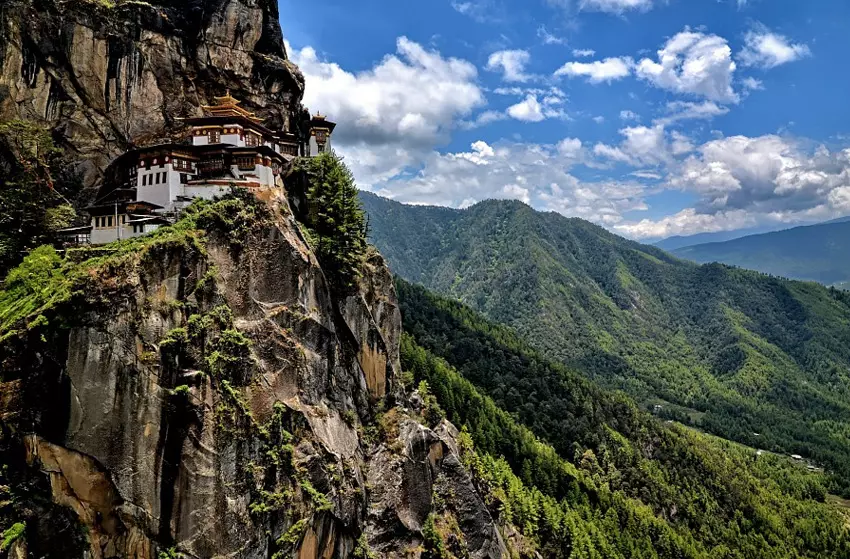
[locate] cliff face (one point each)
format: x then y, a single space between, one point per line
106 74
205 391
201 392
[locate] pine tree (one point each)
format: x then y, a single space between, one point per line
336 219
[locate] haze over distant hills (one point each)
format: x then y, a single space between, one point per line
817 252
677 242
728 350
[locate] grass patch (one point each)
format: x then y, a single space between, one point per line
45 280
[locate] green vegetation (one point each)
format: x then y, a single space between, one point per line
44 281
435 547
335 219
11 535
585 473
33 195
362 550
817 252
291 537
756 359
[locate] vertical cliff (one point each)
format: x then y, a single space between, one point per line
105 74
204 390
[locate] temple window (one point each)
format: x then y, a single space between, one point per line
251 140
245 162
215 136
211 166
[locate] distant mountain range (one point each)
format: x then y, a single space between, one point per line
682 241
757 359
677 242
816 252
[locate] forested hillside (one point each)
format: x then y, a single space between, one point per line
602 478
818 252
759 360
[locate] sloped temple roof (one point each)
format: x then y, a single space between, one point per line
229 106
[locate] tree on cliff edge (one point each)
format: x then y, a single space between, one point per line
335 218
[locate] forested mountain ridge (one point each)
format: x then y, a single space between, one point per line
817 252
602 459
760 360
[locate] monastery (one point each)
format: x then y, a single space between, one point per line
229 148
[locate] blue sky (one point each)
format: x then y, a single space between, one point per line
652 118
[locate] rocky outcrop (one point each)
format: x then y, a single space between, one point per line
417 478
104 75
207 391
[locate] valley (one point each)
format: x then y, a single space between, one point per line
734 352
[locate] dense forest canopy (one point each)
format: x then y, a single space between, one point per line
588 474
756 359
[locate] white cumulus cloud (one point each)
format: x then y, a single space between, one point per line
744 181
766 49
598 71
528 110
538 174
693 63
511 63
641 145
395 113
549 38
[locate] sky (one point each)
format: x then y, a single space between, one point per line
652 118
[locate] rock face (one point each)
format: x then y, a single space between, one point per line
105 75
205 393
210 393
416 476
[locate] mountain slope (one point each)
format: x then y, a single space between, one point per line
759 360
606 457
818 252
